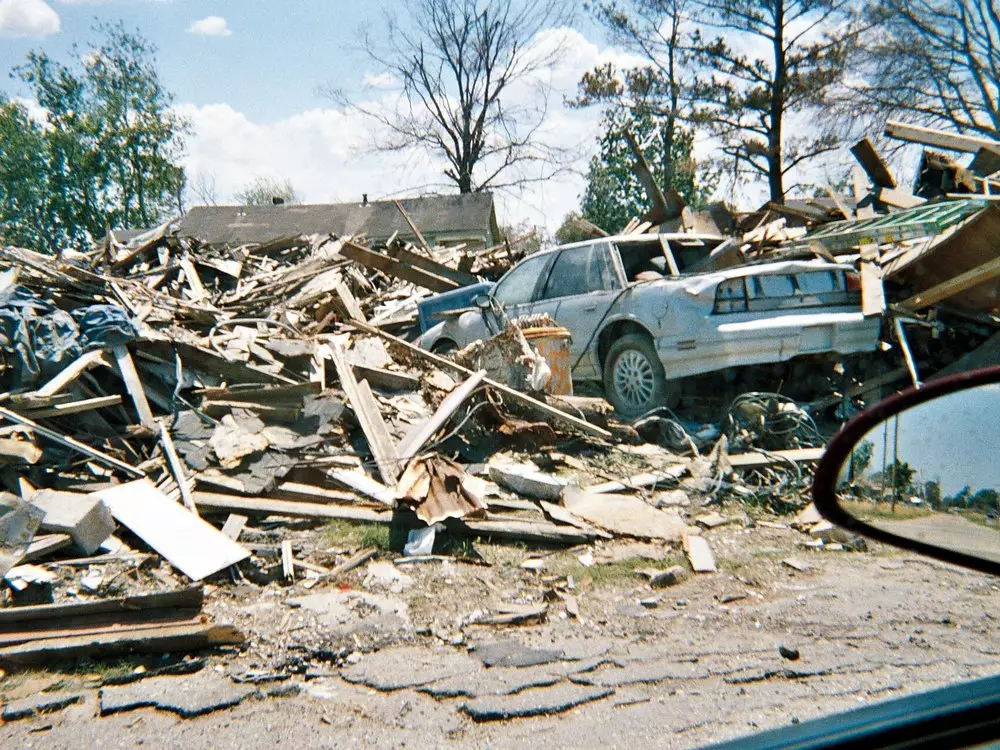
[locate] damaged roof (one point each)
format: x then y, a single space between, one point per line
439 217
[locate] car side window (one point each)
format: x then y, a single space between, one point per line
518 286
731 296
581 270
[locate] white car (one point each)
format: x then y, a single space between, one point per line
638 324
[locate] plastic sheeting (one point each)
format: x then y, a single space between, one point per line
38 339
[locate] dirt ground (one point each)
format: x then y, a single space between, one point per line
394 656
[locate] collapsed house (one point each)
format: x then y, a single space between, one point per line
164 395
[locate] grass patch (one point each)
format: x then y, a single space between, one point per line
609 574
358 534
904 511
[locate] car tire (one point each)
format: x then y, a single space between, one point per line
634 380
444 347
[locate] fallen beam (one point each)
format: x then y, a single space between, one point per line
978 275
170 639
938 138
403 267
71 443
753 459
73 407
414 440
873 163
522 398
359 395
212 502
126 367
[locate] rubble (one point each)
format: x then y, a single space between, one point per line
177 412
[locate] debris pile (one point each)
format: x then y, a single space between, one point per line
168 404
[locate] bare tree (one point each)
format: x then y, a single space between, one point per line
204 189
933 61
457 63
262 191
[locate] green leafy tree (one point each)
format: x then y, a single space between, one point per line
23 170
614 194
861 459
112 143
261 191
740 70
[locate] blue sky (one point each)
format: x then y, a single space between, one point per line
271 63
247 76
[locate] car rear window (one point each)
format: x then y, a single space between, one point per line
784 292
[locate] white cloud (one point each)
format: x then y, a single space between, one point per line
210 26
384 81
322 151
28 18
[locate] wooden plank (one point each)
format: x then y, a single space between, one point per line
198 292
938 138
233 526
416 231
71 373
753 459
986 162
126 367
73 407
899 198
398 268
526 531
647 479
190 596
294 490
347 300
176 468
217 503
873 163
389 379
365 485
287 560
71 443
267 395
522 398
191 545
872 292
415 439
366 409
174 639
978 275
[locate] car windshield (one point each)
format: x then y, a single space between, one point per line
456 372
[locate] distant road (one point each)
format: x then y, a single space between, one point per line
947 530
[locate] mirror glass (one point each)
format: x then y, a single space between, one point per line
932 473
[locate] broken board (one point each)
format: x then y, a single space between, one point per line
191 545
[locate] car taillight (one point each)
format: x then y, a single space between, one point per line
853 281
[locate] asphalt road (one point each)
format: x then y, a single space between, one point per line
702 665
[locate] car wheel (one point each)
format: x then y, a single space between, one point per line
634 381
444 347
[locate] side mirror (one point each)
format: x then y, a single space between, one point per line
921 471
483 302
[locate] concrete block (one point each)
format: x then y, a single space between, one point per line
85 518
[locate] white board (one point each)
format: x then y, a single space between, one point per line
193 546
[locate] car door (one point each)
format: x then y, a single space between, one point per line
518 289
581 286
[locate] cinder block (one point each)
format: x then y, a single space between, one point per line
85 518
